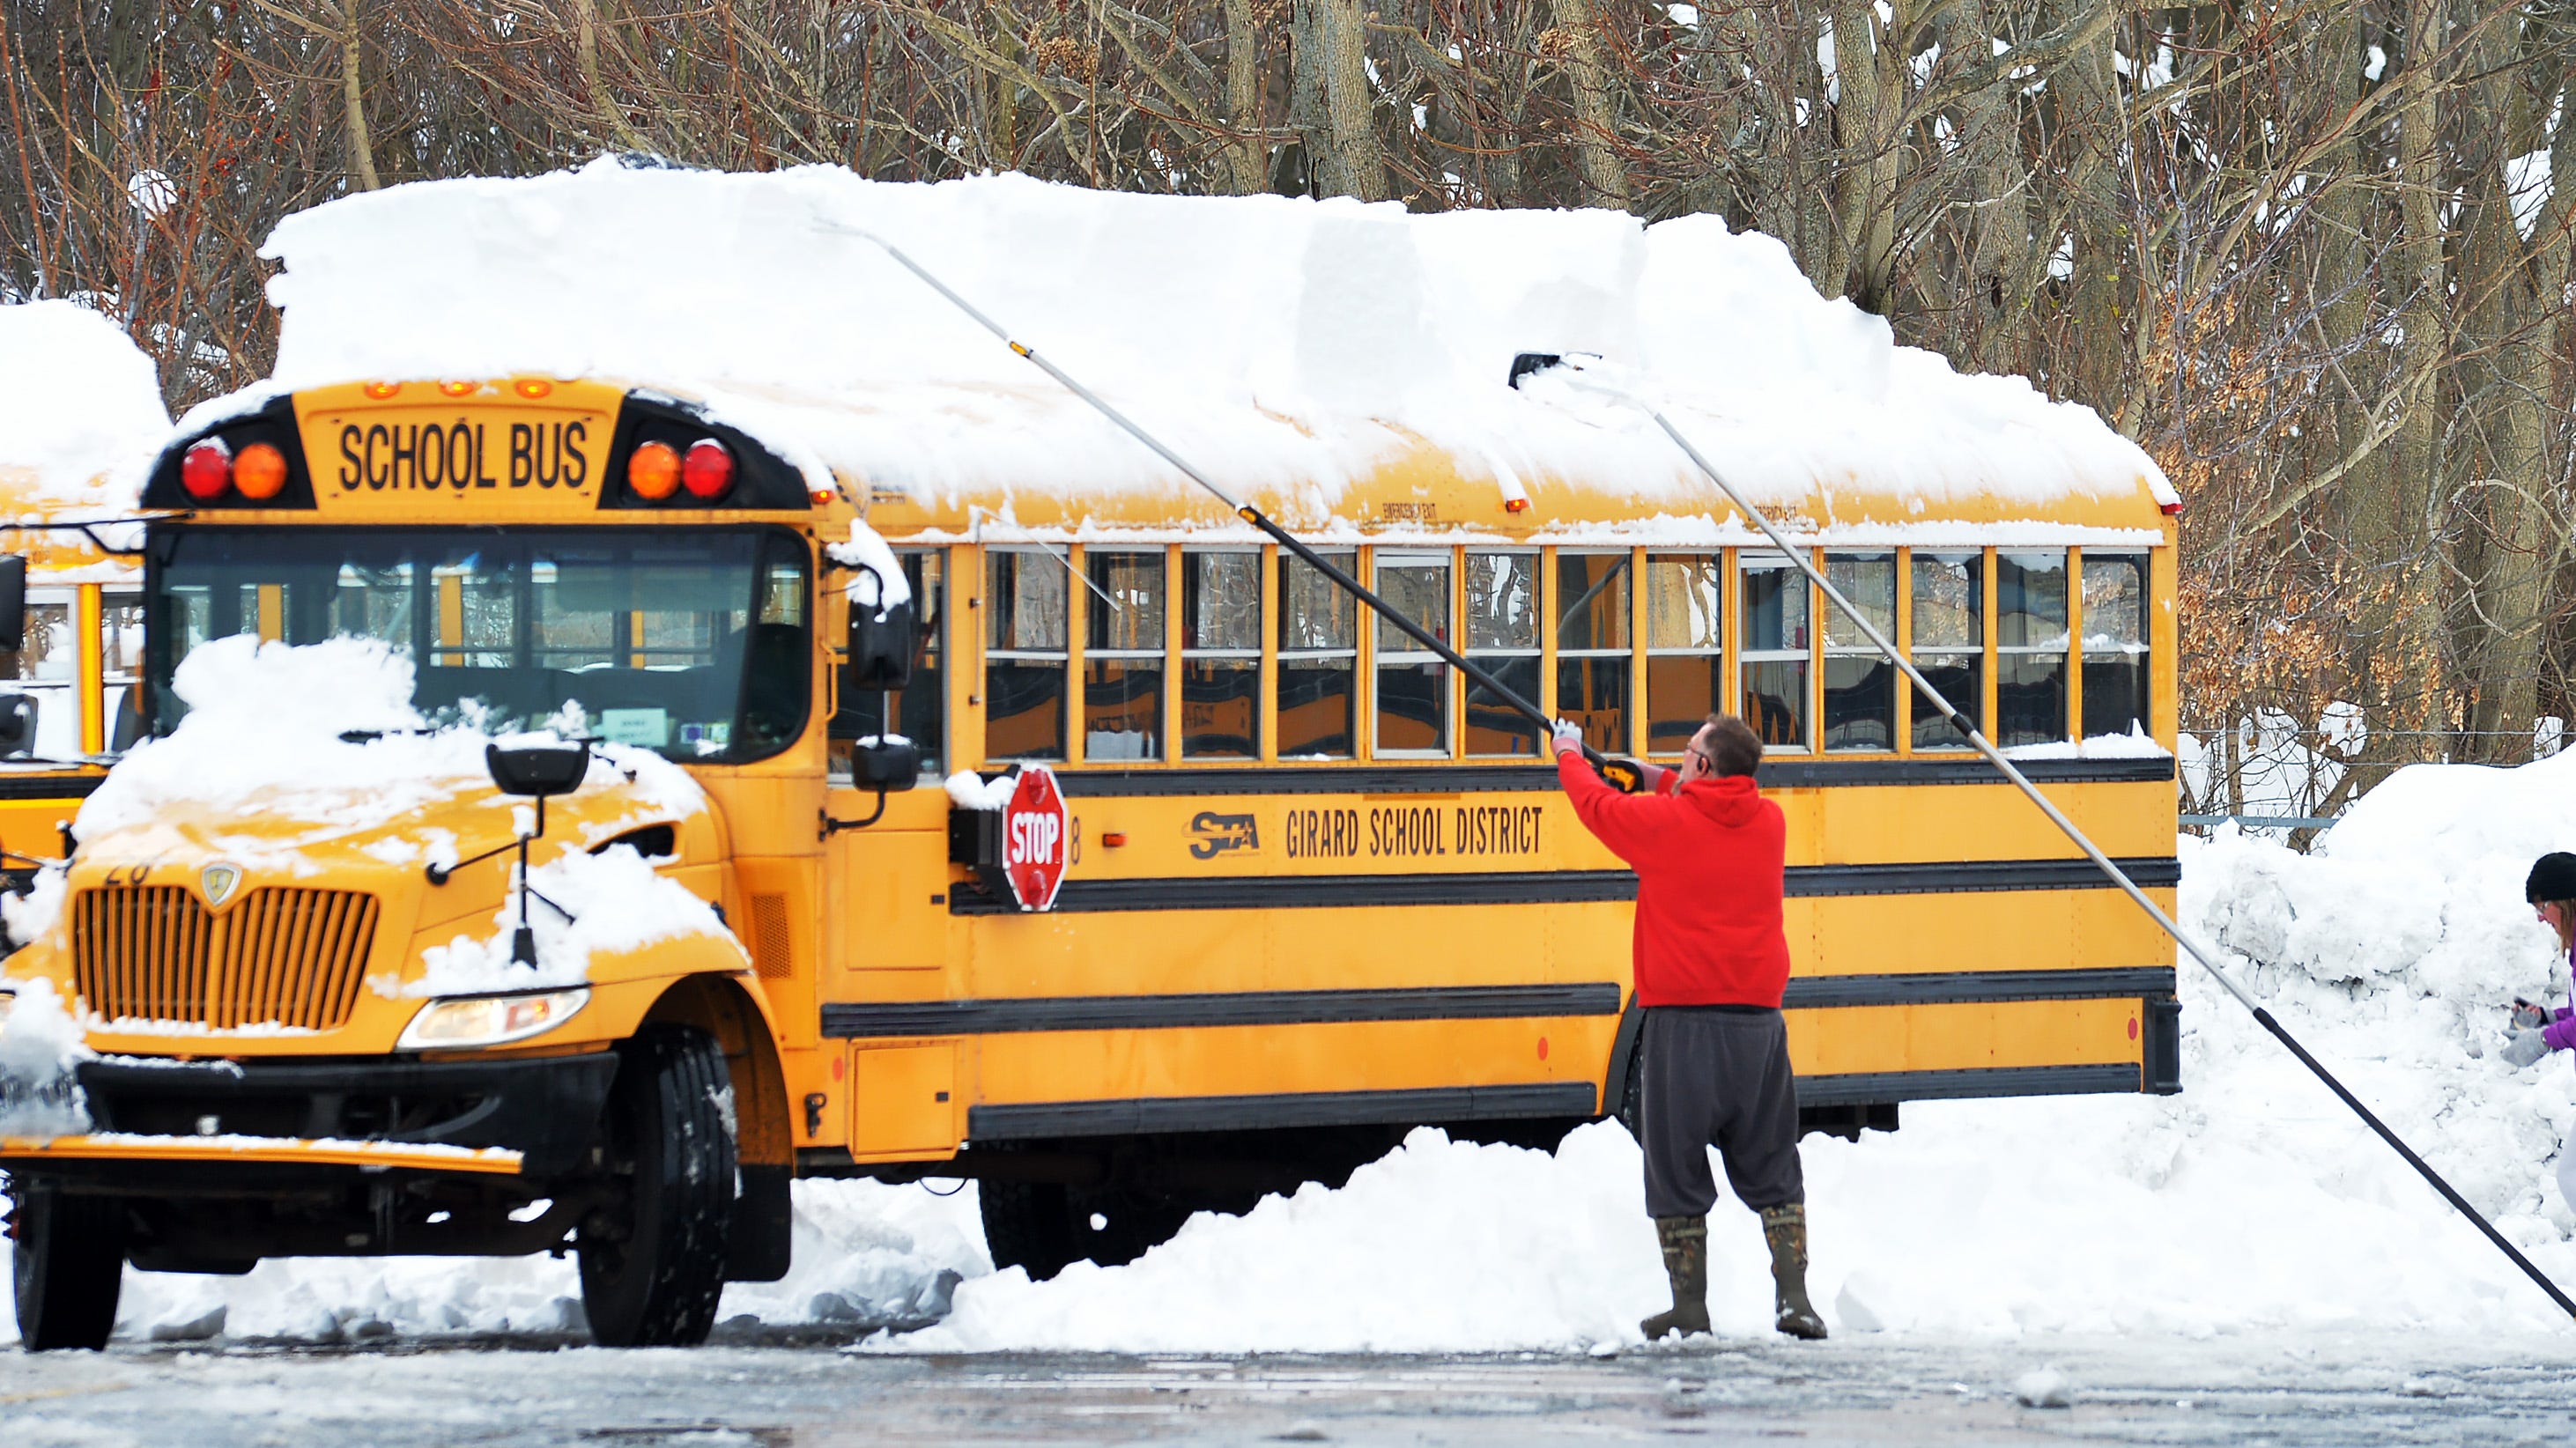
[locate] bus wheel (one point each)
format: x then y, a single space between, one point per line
652 1276
1028 1225
67 1269
1130 1223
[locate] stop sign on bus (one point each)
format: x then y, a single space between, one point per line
1035 829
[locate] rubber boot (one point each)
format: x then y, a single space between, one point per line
1685 1243
1785 1228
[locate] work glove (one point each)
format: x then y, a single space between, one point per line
2528 1017
1567 736
2524 1047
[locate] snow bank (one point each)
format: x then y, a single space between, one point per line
1274 341
80 404
2252 1202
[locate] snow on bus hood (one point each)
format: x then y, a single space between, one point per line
287 748
1275 342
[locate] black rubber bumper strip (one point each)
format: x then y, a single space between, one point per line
49 786
1860 1087
1013 1015
1141 1115
1222 1008
1552 887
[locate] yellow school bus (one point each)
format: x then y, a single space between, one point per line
1305 888
63 690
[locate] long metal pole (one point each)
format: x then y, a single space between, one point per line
1246 511
1575 375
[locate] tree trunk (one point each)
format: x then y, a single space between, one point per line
353 102
1246 164
1596 138
1339 127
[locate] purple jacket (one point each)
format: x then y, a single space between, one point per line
2560 1033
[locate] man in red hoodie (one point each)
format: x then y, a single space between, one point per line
1711 962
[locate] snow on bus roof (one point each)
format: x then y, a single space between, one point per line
1284 346
80 408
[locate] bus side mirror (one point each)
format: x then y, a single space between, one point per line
17 724
882 640
13 602
534 771
884 764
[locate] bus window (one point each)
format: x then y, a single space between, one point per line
2030 647
1025 611
920 706
1860 684
49 653
1318 661
1122 660
1685 646
1502 637
1592 647
1773 636
1221 655
1412 683
2115 643
1949 643
697 644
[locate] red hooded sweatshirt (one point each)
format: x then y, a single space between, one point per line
1708 863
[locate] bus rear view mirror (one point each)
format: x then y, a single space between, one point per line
13 602
535 771
882 639
17 724
885 764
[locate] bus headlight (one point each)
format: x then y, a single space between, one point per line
464 1021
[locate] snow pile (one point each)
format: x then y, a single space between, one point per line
617 904
80 405
1276 342
39 1045
322 735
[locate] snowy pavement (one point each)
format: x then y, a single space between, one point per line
534 1390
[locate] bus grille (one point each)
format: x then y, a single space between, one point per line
283 956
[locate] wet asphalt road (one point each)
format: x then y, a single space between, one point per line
793 1391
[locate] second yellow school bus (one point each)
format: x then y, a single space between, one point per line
1318 890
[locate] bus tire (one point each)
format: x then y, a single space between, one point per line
1028 1225
655 1282
68 1267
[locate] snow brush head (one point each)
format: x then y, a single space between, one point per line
1530 364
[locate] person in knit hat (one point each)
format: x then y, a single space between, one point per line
1711 964
2550 889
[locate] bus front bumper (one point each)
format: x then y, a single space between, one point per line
538 1117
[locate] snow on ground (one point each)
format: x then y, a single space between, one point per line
80 404
2252 1202
1276 342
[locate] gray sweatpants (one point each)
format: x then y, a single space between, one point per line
1717 1076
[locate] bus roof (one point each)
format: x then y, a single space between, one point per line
80 417
1343 364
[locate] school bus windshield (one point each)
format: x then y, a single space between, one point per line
695 644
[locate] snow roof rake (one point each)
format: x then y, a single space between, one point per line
1588 374
1623 772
